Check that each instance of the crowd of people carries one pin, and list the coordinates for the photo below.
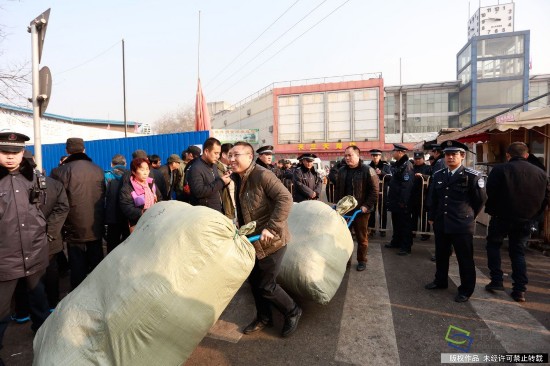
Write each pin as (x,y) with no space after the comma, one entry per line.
(79,206)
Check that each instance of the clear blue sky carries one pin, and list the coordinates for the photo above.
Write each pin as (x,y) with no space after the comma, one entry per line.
(161,46)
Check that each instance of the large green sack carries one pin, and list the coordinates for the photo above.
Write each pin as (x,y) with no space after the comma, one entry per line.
(154,298)
(319,249)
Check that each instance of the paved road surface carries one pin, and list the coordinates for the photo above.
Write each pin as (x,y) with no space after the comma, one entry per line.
(382,316)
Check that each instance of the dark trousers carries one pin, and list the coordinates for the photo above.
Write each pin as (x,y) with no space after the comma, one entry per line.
(360,226)
(402,231)
(416,215)
(463,245)
(381,208)
(37,301)
(50,279)
(265,289)
(83,258)
(518,234)
(116,234)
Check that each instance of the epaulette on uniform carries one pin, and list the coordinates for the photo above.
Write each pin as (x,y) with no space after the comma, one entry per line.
(472,171)
(437,171)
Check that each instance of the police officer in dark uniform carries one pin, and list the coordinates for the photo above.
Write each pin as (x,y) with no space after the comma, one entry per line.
(307,183)
(422,172)
(456,197)
(439,161)
(399,196)
(265,159)
(23,236)
(382,168)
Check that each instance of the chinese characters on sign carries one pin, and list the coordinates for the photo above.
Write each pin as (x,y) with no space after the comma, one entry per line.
(248,135)
(324,146)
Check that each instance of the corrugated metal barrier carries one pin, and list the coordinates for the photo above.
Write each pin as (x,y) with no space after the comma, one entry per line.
(101,151)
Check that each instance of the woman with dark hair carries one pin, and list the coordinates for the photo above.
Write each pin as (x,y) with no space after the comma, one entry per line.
(139,192)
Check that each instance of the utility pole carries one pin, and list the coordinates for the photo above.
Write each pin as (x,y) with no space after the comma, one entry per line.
(41,81)
(124,90)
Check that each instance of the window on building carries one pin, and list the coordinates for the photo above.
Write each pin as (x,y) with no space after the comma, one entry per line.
(465,57)
(313,117)
(499,93)
(501,46)
(537,88)
(466,75)
(365,112)
(289,119)
(339,116)
(465,99)
(497,68)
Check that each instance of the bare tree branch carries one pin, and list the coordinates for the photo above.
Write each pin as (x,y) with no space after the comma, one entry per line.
(182,120)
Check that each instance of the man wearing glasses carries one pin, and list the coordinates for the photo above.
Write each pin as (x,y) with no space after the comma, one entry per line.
(456,197)
(260,196)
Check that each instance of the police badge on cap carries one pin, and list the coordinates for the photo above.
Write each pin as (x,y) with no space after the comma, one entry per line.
(12,141)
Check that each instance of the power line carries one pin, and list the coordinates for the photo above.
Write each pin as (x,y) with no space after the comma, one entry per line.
(90,60)
(268,46)
(284,47)
(250,44)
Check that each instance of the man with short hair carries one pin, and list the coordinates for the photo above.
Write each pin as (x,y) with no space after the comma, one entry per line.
(228,191)
(382,169)
(261,197)
(84,183)
(155,161)
(399,197)
(23,240)
(204,182)
(188,156)
(517,193)
(287,174)
(117,226)
(360,181)
(456,197)
(171,176)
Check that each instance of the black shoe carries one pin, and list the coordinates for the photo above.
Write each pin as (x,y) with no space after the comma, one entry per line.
(494,286)
(432,258)
(291,322)
(390,245)
(362,266)
(404,252)
(424,237)
(434,286)
(461,298)
(257,325)
(518,296)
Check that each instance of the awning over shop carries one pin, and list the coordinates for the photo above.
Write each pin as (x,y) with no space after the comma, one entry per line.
(510,121)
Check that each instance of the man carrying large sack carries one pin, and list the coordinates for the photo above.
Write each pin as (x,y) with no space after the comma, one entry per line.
(260,196)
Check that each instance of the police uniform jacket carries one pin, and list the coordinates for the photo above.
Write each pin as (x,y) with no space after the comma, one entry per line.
(454,202)
(260,196)
(438,164)
(416,195)
(23,243)
(306,181)
(384,167)
(401,184)
(517,190)
(364,185)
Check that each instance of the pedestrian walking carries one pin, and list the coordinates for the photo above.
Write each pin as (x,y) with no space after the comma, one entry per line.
(260,196)
(360,181)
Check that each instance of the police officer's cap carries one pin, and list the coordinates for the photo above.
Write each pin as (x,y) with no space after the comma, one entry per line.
(436,147)
(375,152)
(399,147)
(418,155)
(268,149)
(453,145)
(12,141)
(307,156)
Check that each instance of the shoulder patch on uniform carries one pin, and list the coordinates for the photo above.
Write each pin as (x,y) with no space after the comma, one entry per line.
(472,171)
(481,183)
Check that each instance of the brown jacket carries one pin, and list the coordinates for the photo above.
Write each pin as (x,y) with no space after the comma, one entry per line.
(227,201)
(261,197)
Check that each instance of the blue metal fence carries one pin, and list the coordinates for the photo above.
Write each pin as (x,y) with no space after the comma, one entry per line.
(101,151)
